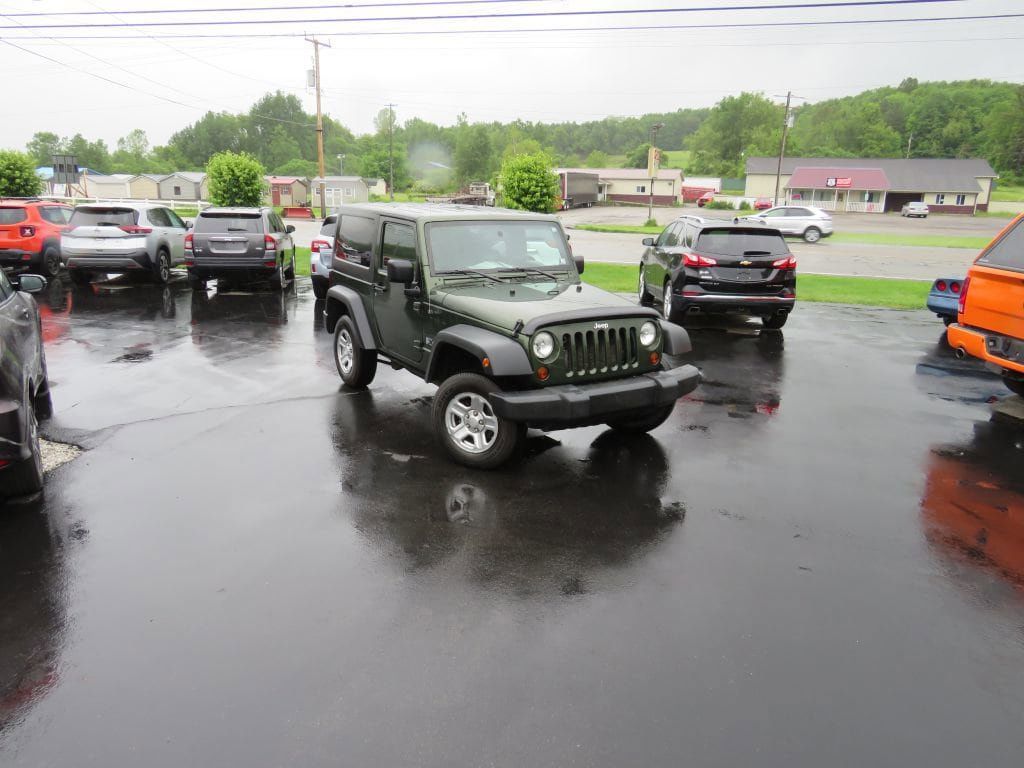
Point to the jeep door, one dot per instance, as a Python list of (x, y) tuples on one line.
[(397, 317)]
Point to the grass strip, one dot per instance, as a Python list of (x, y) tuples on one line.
[(866, 291)]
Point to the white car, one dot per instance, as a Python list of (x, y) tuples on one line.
[(804, 221), (139, 238), (914, 209), (321, 252)]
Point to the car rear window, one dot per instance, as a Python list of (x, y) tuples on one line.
[(55, 214), (1008, 251), (104, 217), (11, 215), (229, 222), (740, 242), (330, 226)]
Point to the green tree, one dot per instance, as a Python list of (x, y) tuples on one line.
[(473, 154), (235, 179), (43, 146), (638, 157), (18, 175), (90, 154), (305, 169), (597, 159), (1005, 136), (528, 183), (214, 132), (746, 124), (133, 153)]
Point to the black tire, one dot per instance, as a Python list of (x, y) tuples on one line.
[(489, 440), (812, 234), (26, 477), (51, 263), (290, 272), (162, 267), (279, 278), (641, 288), (1014, 385), (42, 402), (319, 288), (948, 321), (356, 366), (195, 282), (644, 422), (80, 276), (667, 310), (776, 321)]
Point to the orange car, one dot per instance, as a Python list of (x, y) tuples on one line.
[(990, 316)]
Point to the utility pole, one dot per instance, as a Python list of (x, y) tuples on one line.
[(319, 124), (782, 148), (391, 151), (910, 138), (653, 164)]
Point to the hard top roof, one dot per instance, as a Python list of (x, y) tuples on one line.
[(423, 212)]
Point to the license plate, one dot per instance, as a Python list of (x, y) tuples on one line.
[(743, 274)]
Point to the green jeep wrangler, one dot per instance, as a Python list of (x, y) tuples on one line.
[(488, 304)]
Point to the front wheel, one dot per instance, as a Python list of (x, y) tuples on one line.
[(356, 366), (642, 293), (812, 234), (643, 423), (467, 426), (776, 321), (1014, 385), (666, 304)]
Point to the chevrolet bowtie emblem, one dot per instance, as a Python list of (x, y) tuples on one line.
[(746, 263)]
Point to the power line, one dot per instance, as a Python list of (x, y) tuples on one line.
[(514, 15), (557, 30), (155, 11)]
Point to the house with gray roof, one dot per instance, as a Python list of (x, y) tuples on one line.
[(874, 185), (183, 185)]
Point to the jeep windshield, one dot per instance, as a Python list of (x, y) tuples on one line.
[(505, 247)]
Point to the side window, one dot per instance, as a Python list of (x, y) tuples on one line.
[(53, 214), (399, 242), (174, 219), (272, 223), (355, 240), (158, 217), (687, 238), (330, 226), (1008, 251), (665, 238), (279, 223)]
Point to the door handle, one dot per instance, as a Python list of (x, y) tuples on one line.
[(378, 288)]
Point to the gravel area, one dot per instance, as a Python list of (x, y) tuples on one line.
[(56, 454)]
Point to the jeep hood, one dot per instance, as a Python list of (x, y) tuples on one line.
[(505, 304)]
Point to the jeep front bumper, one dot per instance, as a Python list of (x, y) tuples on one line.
[(579, 404)]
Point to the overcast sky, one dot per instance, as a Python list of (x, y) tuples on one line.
[(534, 75)]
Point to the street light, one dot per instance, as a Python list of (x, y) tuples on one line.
[(650, 200), (341, 165)]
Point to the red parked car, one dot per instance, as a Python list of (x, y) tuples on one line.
[(30, 234), (762, 204), (704, 199)]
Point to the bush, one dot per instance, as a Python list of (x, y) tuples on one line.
[(745, 206), (235, 179), (528, 183), (720, 205), (18, 175), (651, 223)]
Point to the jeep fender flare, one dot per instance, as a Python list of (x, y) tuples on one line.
[(677, 340), (507, 357), (342, 300)]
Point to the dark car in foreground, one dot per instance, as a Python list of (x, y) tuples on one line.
[(24, 386), (488, 304), (944, 297), (30, 233), (699, 266), (240, 244)]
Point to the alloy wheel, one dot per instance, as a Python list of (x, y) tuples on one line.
[(471, 422), (345, 351)]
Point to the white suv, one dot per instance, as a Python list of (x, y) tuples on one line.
[(140, 238), (804, 221)]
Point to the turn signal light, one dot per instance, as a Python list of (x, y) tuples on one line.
[(962, 304), (543, 373), (269, 243), (941, 285), (787, 263), (133, 229), (655, 358), (954, 287), (696, 260)]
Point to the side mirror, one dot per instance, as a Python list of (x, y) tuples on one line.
[(648, 241), (579, 263), (401, 271), (30, 283), (187, 223), (289, 228)]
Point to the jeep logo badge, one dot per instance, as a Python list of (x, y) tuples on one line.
[(600, 326)]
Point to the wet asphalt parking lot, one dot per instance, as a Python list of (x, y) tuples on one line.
[(818, 561)]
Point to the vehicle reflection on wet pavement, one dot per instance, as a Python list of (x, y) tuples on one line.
[(815, 561)]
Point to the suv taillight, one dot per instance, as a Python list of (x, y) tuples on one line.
[(787, 263), (190, 256), (27, 230), (961, 305), (320, 245), (134, 229), (269, 243), (696, 260)]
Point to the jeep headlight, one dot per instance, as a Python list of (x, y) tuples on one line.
[(543, 345), (648, 334)]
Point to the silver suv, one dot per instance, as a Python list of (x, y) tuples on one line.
[(138, 238), (804, 221)]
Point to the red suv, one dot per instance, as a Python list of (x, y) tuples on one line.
[(30, 234)]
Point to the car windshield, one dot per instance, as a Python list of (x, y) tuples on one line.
[(497, 245), (104, 217), (229, 222), (740, 242), (11, 215)]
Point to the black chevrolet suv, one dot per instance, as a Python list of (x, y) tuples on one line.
[(702, 266), (488, 304)]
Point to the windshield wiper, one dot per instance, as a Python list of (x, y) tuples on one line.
[(474, 272), (532, 271)]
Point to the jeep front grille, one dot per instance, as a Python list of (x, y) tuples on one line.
[(600, 351)]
